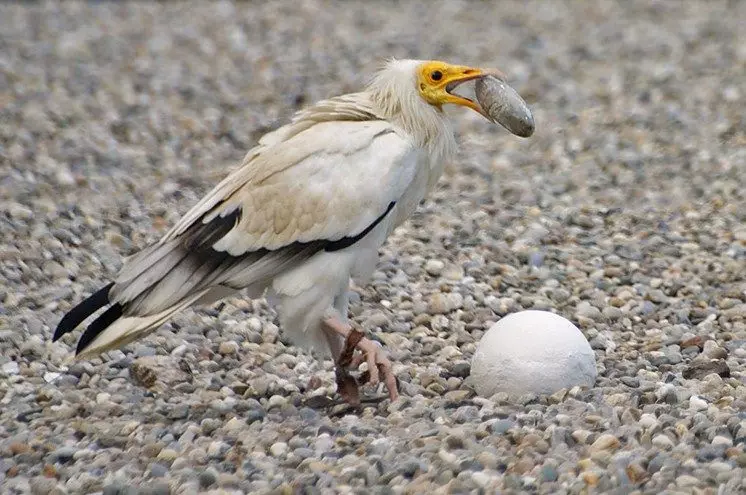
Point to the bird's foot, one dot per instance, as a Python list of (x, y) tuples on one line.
[(379, 366)]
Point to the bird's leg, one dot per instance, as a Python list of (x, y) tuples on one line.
[(379, 365)]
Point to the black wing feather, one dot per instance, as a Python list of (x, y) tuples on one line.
[(99, 325), (75, 316)]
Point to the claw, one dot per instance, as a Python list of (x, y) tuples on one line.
[(379, 366), (347, 386)]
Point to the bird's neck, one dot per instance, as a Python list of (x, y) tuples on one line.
[(426, 125)]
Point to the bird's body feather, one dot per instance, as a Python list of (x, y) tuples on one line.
[(306, 211)]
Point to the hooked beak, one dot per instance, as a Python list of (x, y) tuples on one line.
[(467, 74)]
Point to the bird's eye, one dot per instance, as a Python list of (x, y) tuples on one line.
[(436, 75)]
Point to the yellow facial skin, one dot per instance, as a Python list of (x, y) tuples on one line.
[(437, 79)]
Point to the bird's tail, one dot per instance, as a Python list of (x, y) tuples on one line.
[(112, 329), (169, 276)]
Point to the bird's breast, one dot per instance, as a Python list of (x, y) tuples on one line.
[(429, 170)]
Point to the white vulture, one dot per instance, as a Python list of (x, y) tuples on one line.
[(304, 214)]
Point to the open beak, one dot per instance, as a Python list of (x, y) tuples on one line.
[(465, 75)]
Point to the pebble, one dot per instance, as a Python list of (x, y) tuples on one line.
[(228, 348), (434, 267), (10, 368), (207, 478), (697, 403), (663, 441), (167, 455), (158, 470), (722, 440), (64, 454), (700, 369), (278, 449), (501, 426), (445, 303), (217, 449), (605, 442)]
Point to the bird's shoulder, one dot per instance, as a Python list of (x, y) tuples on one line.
[(353, 107)]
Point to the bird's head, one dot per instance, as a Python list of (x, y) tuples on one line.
[(437, 81), (406, 86)]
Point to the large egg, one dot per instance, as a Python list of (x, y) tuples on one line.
[(532, 352)]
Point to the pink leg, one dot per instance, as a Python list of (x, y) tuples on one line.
[(379, 365)]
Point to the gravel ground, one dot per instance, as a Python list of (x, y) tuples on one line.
[(625, 213)]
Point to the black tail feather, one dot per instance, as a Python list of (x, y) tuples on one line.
[(75, 316), (99, 325)]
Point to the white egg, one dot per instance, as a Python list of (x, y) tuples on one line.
[(532, 352)]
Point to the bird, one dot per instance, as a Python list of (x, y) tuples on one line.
[(300, 220)]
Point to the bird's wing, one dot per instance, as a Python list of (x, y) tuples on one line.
[(325, 178), (277, 150)]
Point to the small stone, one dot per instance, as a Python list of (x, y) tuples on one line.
[(208, 425), (711, 452), (380, 446), (606, 441), (254, 415), (179, 411), (167, 455), (234, 424), (42, 485), (481, 478), (581, 436), (119, 488), (64, 454), (228, 348), (713, 351), (501, 426), (697, 403), (460, 369), (548, 473), (686, 481), (51, 376), (207, 478), (487, 459), (10, 368), (456, 396), (636, 473), (278, 449), (465, 414), (698, 369), (722, 440), (434, 267), (586, 310), (612, 313), (590, 478), (217, 448), (441, 303), (158, 470), (663, 441), (157, 488), (276, 401), (323, 443), (648, 421)]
